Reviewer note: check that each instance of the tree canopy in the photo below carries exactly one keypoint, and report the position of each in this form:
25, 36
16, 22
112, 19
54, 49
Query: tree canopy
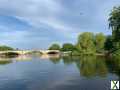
100, 41
68, 47
54, 47
86, 42
4, 48
114, 23
108, 43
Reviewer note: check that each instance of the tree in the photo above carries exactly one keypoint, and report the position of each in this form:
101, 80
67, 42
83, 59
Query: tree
114, 24
108, 43
100, 42
86, 42
54, 47
78, 47
4, 48
68, 47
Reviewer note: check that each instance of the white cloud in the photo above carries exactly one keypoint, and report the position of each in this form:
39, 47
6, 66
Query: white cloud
38, 13
62, 18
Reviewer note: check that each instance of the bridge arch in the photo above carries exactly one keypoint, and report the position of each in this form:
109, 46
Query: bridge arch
21, 52
53, 52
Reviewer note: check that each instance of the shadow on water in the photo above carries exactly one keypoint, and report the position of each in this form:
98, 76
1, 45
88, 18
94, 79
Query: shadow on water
91, 66
88, 66
6, 58
5, 61
113, 65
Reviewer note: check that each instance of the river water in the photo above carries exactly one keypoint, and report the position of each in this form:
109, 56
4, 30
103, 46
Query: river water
54, 73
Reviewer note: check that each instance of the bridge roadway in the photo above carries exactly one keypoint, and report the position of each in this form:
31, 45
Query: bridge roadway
21, 52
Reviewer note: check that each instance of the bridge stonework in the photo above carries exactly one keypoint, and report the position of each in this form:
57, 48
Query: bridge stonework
22, 52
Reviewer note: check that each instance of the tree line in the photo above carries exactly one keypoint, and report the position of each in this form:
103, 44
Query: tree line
4, 48
89, 43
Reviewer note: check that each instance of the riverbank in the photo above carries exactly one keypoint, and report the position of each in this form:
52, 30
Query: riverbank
79, 54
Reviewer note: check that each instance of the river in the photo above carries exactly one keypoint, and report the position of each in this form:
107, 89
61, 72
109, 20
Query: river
34, 72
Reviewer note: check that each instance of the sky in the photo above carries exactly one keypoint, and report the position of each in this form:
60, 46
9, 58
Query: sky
36, 24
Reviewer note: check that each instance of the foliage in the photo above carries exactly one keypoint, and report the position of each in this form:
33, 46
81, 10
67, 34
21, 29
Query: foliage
114, 23
86, 42
68, 47
76, 53
4, 62
78, 47
100, 41
90, 66
4, 48
54, 47
113, 64
116, 54
108, 43
55, 60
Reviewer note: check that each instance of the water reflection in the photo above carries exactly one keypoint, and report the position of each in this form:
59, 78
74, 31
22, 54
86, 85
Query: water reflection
4, 61
113, 65
91, 66
46, 56
88, 66
23, 58
35, 72
55, 59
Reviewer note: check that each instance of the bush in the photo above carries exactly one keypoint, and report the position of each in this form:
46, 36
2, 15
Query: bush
76, 53
116, 54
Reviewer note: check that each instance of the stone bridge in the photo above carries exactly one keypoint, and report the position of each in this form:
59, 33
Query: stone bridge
22, 52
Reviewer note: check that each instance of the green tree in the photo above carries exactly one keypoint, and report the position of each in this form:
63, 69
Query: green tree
90, 66
78, 47
108, 43
100, 42
55, 60
54, 47
68, 47
4, 48
114, 23
86, 42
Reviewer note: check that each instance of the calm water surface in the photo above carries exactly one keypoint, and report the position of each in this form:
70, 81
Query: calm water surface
67, 73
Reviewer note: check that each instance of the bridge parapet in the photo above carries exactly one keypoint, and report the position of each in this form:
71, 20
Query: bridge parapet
17, 51
29, 51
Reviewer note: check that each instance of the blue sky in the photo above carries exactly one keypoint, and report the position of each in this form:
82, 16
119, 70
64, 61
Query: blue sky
35, 24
